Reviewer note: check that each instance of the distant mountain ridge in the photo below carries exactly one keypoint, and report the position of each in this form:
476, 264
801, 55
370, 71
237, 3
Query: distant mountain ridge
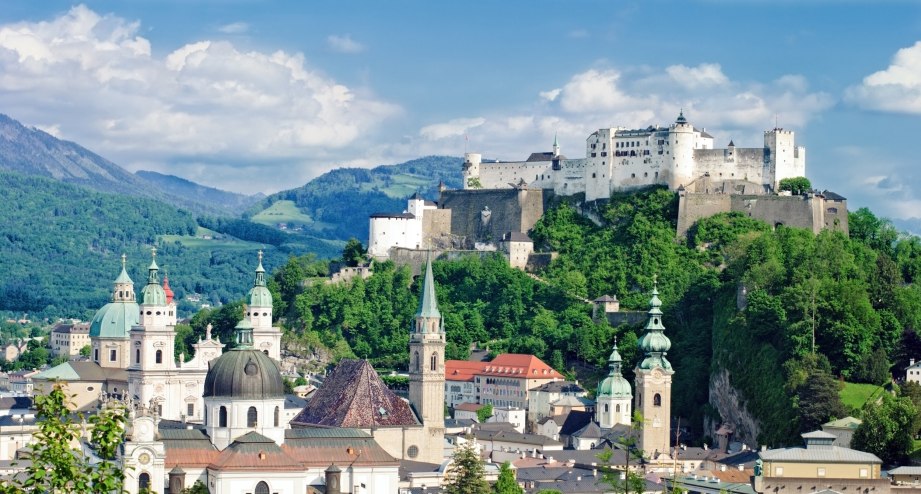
232, 202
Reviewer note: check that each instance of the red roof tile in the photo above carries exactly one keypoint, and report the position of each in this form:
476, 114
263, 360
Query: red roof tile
504, 365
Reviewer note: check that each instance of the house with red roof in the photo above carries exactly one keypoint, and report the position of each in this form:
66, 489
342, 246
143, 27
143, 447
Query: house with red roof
503, 382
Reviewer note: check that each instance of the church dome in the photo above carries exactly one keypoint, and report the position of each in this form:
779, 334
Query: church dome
259, 295
114, 320
615, 386
244, 373
152, 293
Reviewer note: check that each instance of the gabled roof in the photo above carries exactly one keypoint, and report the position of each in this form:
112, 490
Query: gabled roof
515, 437
320, 447
81, 370
353, 395
190, 448
462, 370
253, 451
559, 387
575, 421
590, 431
521, 366
606, 298
468, 407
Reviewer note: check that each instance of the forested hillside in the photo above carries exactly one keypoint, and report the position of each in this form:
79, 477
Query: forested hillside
337, 204
60, 247
740, 299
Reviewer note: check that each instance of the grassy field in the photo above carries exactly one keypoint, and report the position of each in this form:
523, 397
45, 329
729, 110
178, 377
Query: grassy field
855, 395
401, 185
229, 243
282, 212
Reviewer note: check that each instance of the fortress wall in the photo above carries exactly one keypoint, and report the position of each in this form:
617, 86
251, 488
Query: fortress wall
436, 223
500, 175
836, 215
742, 164
570, 179
416, 259
511, 210
793, 211
692, 207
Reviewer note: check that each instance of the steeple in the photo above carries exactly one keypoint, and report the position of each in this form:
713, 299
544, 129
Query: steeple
123, 290
556, 146
152, 293
428, 303
259, 295
681, 119
654, 342
614, 361
260, 273
244, 333
614, 395
167, 290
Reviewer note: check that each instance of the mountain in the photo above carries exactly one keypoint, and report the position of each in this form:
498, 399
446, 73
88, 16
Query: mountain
336, 205
230, 203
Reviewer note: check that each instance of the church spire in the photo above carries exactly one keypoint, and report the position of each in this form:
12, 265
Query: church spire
260, 272
614, 361
123, 290
428, 303
654, 342
152, 293
152, 270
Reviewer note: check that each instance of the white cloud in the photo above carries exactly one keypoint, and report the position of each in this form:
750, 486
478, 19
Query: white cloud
551, 95
93, 79
456, 127
895, 89
702, 76
344, 44
234, 28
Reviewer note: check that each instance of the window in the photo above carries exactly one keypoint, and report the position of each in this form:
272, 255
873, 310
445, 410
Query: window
778, 471
605, 408
434, 359
96, 354
416, 359
251, 416
616, 408
222, 417
159, 357
262, 488
820, 472
137, 356
143, 482
190, 409
864, 473
112, 355
657, 400
277, 417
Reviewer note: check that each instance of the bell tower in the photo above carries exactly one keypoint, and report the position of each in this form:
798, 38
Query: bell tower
426, 354
654, 383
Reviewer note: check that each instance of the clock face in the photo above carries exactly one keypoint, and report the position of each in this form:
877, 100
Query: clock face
144, 458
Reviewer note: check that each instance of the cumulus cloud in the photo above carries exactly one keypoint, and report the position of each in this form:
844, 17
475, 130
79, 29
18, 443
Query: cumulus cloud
895, 89
344, 44
234, 28
456, 127
94, 79
638, 97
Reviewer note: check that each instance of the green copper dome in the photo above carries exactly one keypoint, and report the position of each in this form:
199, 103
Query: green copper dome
259, 295
152, 293
615, 385
654, 342
114, 320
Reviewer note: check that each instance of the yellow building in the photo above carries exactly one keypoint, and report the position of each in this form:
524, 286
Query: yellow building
69, 338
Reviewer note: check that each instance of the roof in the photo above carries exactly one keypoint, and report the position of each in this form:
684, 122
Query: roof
818, 435
353, 395
115, 319
81, 370
405, 216
515, 437
606, 298
428, 302
575, 421
15, 403
828, 454
590, 431
559, 387
572, 401
189, 448
340, 446
294, 402
905, 471
521, 366
253, 451
544, 156
462, 370
516, 237
832, 196
468, 407
70, 328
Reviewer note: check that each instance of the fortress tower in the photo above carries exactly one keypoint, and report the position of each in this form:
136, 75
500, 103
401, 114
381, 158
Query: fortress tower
471, 169
654, 383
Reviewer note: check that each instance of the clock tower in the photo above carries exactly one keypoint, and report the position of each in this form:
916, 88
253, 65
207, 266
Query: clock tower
654, 383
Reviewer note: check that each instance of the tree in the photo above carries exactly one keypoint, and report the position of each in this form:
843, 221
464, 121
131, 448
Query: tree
56, 468
484, 413
353, 254
506, 483
631, 481
796, 185
466, 472
85, 351
816, 392
886, 430
197, 488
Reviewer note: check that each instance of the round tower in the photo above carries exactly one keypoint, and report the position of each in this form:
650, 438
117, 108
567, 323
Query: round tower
681, 148
472, 169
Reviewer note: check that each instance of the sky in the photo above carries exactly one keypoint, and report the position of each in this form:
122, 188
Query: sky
260, 96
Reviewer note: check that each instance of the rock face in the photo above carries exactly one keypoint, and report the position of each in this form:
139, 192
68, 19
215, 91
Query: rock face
726, 400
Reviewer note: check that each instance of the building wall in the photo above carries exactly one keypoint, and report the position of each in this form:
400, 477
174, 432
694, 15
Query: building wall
510, 210
395, 231
812, 470
457, 392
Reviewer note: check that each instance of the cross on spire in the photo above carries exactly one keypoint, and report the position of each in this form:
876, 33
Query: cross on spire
260, 256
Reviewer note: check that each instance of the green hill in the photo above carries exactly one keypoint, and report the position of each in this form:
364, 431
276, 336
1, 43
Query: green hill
337, 204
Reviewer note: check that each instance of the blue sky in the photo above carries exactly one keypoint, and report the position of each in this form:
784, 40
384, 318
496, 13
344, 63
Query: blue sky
261, 96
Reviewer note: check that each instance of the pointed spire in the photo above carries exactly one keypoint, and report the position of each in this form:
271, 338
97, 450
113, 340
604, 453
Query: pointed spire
152, 277
123, 278
614, 360
654, 342
428, 303
166, 288
260, 272
681, 119
556, 142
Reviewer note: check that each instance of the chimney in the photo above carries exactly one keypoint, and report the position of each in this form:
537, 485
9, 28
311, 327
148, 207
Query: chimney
741, 467
911, 361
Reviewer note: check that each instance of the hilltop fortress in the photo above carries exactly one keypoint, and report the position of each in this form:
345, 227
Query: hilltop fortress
502, 200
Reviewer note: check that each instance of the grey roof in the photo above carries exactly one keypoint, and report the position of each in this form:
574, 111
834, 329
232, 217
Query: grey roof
818, 435
516, 237
559, 387
15, 402
294, 402
833, 196
244, 373
576, 420
905, 471
829, 454
515, 437
407, 216
590, 431
606, 298
544, 156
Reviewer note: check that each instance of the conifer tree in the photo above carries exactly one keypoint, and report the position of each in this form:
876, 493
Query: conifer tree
465, 475
506, 483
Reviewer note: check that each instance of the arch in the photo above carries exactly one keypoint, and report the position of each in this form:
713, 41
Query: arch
616, 408
605, 408
143, 482
222, 417
657, 400
159, 357
277, 416
434, 361
262, 488
252, 417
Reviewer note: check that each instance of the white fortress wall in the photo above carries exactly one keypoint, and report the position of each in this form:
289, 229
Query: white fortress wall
731, 163
397, 230
500, 175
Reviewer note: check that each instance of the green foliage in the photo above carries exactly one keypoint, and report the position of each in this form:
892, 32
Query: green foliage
506, 483
887, 429
854, 395
197, 488
816, 392
395, 382
56, 467
484, 413
796, 185
912, 391
354, 254
85, 351
466, 471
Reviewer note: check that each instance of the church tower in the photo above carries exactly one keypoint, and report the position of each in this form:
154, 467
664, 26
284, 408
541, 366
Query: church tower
614, 396
259, 311
111, 325
426, 353
654, 383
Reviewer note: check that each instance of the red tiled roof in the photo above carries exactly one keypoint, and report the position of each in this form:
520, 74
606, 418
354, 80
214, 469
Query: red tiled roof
469, 407
253, 451
312, 448
505, 365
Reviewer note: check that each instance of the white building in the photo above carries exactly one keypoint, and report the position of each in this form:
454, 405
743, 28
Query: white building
404, 229
622, 159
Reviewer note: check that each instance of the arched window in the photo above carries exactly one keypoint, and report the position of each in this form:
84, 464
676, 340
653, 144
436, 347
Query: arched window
159, 357
262, 488
605, 408
434, 361
657, 400
222, 417
416, 359
206, 414
137, 356
251, 416
143, 482
616, 408
277, 418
